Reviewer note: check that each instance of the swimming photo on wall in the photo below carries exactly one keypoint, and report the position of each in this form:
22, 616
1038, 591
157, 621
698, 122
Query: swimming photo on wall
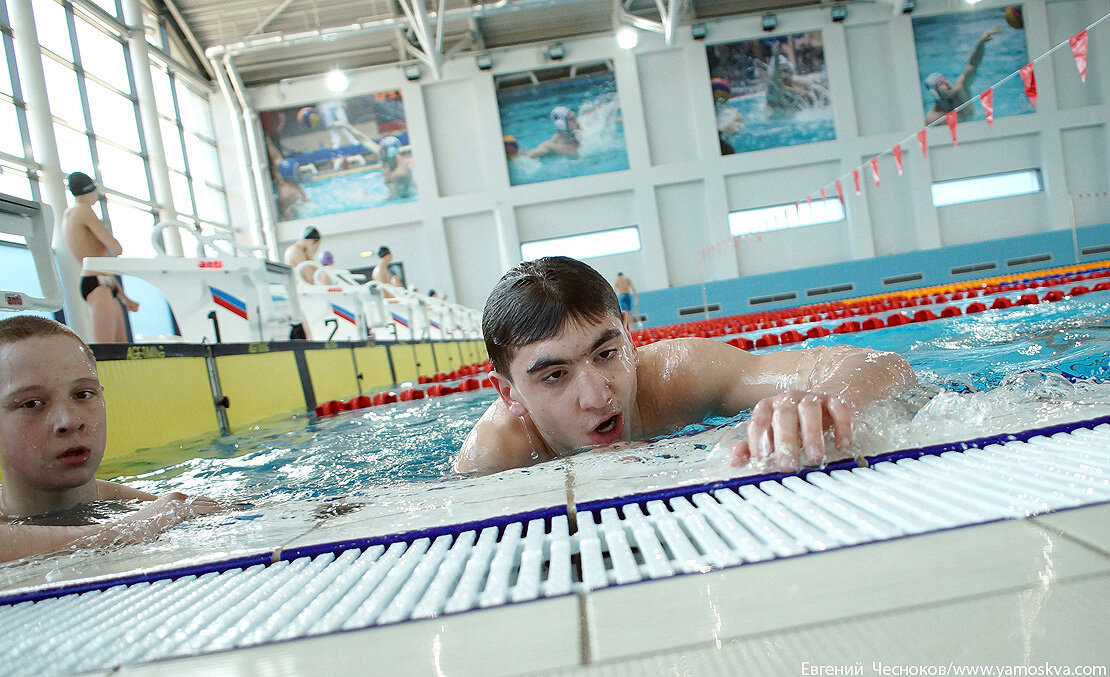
561, 122
339, 155
770, 92
961, 55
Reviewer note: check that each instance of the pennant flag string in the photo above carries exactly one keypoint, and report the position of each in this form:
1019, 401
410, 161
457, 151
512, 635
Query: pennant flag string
1078, 45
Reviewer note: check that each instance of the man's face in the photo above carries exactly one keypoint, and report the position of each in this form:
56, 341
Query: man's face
578, 387
52, 420
944, 87
311, 247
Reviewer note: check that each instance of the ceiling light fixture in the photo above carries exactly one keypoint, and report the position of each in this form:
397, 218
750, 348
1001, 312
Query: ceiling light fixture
627, 37
336, 81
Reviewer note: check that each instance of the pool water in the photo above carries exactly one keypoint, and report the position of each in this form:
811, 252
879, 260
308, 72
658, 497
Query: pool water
414, 442
389, 466
761, 130
345, 192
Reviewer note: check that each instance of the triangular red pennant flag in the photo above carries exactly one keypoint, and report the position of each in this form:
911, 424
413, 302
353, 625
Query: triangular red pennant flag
839, 191
875, 170
986, 99
1030, 81
809, 203
923, 141
855, 179
823, 197
797, 210
952, 117
897, 150
1078, 44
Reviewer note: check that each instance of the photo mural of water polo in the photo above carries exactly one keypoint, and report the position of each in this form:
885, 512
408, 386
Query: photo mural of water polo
961, 55
561, 122
770, 92
339, 155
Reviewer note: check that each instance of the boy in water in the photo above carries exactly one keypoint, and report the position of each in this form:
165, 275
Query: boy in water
53, 429
568, 377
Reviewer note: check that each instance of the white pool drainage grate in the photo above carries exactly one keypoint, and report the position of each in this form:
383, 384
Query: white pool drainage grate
516, 558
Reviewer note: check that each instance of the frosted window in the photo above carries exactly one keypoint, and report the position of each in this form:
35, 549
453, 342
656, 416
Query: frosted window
113, 116
123, 171
986, 187
171, 142
11, 141
780, 217
163, 93
61, 89
182, 194
52, 28
73, 150
585, 246
102, 55
196, 115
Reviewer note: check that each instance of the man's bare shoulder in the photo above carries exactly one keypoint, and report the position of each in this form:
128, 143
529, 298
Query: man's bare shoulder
500, 441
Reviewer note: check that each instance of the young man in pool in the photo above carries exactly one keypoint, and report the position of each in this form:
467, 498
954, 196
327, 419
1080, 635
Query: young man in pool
53, 429
569, 377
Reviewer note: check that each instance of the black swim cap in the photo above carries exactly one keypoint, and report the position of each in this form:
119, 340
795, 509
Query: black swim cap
310, 233
383, 252
80, 184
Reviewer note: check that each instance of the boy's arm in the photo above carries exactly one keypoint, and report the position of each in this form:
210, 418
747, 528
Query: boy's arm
499, 441
23, 540
100, 232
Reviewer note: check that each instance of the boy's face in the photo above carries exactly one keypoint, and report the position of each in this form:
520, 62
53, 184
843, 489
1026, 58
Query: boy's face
578, 387
52, 419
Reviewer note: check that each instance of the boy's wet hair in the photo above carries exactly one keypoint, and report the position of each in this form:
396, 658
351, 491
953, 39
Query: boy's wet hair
535, 300
23, 327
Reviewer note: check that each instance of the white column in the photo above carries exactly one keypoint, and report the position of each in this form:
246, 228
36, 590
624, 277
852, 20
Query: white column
148, 111
29, 58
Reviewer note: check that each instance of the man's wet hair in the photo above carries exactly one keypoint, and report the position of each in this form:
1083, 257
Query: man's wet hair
536, 299
23, 327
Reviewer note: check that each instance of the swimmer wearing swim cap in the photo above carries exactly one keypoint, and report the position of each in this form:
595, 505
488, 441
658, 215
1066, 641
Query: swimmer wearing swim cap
80, 183
947, 95
303, 250
383, 273
565, 139
396, 172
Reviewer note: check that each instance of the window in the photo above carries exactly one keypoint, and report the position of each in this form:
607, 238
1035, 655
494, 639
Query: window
987, 187
781, 217
585, 246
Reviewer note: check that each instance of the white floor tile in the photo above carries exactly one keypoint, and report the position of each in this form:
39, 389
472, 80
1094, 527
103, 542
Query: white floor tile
1051, 623
760, 598
503, 641
1087, 525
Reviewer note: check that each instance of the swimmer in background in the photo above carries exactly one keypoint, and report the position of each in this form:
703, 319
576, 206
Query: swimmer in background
396, 169
86, 235
786, 92
951, 96
568, 377
626, 297
729, 120
303, 250
383, 273
53, 430
565, 139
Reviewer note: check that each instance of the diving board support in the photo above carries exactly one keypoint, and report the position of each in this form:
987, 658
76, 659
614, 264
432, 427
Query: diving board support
34, 223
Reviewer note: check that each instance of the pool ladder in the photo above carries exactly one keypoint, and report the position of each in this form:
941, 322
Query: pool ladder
357, 584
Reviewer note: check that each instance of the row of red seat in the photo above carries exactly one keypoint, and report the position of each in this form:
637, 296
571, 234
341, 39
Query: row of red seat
751, 322
465, 375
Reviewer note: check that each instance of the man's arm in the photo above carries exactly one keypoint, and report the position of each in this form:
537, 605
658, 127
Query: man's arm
794, 394
975, 59
95, 226
21, 540
111, 491
500, 441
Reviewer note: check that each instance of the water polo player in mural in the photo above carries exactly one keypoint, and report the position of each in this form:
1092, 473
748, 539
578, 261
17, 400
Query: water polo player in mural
561, 122
770, 92
950, 95
569, 377
339, 155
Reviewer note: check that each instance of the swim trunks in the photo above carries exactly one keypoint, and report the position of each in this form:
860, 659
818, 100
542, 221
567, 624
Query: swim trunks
626, 301
91, 282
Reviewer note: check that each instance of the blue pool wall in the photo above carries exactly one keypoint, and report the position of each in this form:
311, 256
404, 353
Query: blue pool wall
851, 279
